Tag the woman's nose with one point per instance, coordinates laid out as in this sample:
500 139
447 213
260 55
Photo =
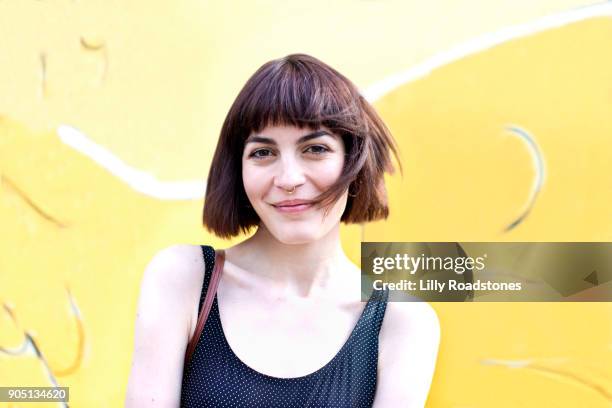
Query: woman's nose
290 174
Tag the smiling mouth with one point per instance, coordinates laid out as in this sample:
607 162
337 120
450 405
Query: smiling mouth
294 208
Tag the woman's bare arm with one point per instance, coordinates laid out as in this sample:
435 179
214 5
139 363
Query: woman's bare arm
408 348
164 322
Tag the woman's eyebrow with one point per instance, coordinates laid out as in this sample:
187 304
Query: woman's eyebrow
305 138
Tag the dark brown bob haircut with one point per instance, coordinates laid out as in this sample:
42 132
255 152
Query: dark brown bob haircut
299 90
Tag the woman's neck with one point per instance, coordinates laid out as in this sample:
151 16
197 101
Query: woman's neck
300 270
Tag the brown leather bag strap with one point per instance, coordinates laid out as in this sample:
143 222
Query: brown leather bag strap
208 301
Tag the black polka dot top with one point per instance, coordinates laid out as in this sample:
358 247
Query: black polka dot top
216 377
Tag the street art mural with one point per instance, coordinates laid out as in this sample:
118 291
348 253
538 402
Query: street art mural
110 111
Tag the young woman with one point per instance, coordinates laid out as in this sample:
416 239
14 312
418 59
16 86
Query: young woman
300 151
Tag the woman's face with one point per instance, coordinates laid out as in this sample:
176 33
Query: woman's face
283 168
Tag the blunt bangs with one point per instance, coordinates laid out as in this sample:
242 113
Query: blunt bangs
299 92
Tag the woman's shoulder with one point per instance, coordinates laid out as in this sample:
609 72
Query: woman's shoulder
177 269
177 261
411 319
409 328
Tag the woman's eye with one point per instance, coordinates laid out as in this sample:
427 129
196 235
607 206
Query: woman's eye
317 149
261 153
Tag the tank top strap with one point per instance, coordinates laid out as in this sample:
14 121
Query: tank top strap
208 254
374 312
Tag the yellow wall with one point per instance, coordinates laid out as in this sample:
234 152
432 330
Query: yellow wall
85 83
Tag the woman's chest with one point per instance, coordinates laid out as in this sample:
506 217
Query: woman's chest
286 339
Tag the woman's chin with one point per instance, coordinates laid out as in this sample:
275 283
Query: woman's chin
295 236
296 239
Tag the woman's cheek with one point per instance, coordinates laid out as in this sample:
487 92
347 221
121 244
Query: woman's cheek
328 173
254 181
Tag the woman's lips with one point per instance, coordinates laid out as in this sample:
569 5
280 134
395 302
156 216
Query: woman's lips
292 208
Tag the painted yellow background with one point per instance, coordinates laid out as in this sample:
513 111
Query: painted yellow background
147 85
